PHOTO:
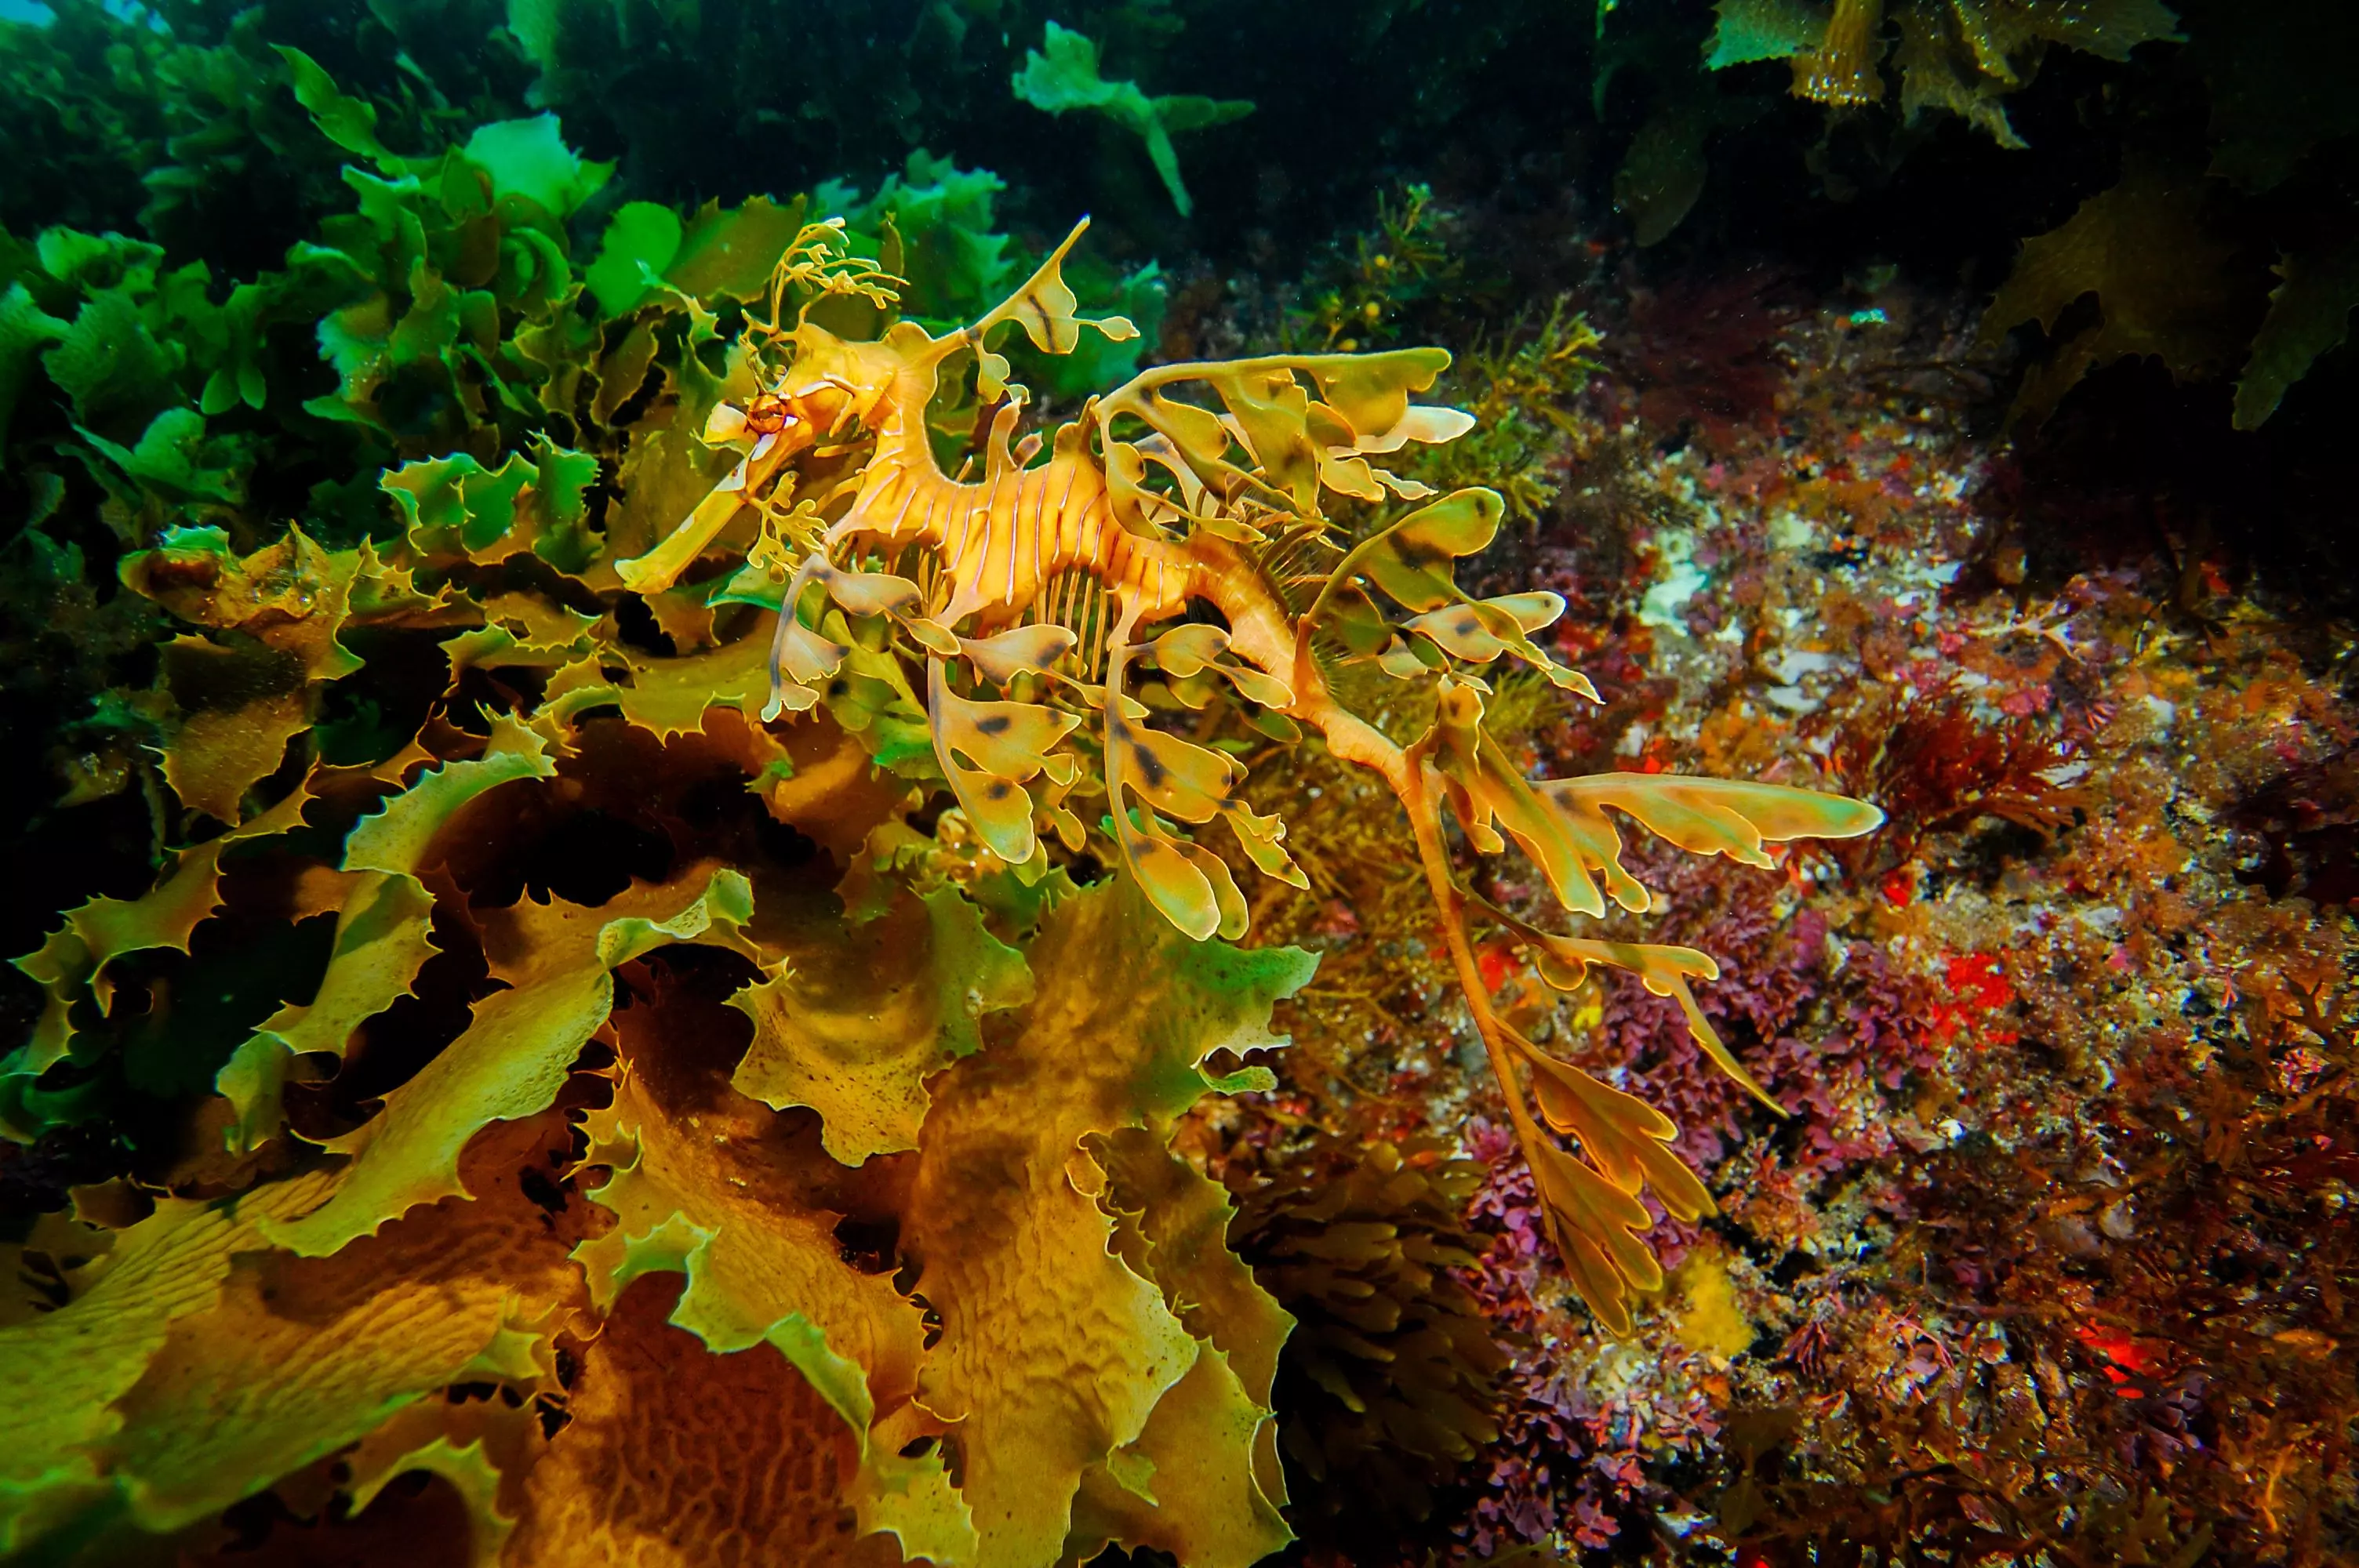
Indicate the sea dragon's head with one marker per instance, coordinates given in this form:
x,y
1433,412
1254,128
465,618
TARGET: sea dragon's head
x,y
833,387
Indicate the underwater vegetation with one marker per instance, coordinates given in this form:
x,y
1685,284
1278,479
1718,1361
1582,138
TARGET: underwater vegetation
x,y
733,843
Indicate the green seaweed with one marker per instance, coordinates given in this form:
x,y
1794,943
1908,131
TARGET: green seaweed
x,y
1062,76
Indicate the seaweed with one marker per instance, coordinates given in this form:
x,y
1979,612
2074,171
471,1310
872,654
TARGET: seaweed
x,y
1389,1377
1062,76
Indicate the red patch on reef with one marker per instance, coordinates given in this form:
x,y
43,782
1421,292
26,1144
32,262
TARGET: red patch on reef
x,y
1978,985
2130,1368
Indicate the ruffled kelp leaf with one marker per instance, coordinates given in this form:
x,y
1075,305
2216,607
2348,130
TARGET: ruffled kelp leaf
x,y
110,363
642,238
854,1027
292,595
69,1367
996,1174
237,707
2309,315
70,967
711,1184
1839,68
1177,1233
953,263
675,1455
1963,57
1173,1227
399,837
24,331
741,1215
529,158
666,696
1198,1492
384,936
729,253
173,458
1062,75
1745,31
471,1472
241,695
2164,281
454,509
558,960
350,122
1938,71
301,1355
529,631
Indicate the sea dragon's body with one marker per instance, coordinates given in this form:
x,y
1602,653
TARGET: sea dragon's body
x,y
1032,594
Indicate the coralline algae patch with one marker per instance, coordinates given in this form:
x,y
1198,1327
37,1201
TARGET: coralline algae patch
x,y
2037,1259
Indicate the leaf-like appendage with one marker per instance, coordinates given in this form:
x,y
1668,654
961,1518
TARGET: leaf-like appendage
x,y
1707,815
1020,650
1295,444
1044,306
859,1021
1411,560
1007,744
1596,1226
1623,1136
1665,971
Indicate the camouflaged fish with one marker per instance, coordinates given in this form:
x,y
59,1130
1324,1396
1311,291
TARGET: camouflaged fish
x,y
1186,533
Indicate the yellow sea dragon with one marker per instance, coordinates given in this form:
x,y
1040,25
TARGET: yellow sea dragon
x,y
1163,531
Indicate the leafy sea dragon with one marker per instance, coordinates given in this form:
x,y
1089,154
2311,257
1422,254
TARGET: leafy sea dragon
x,y
1156,531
